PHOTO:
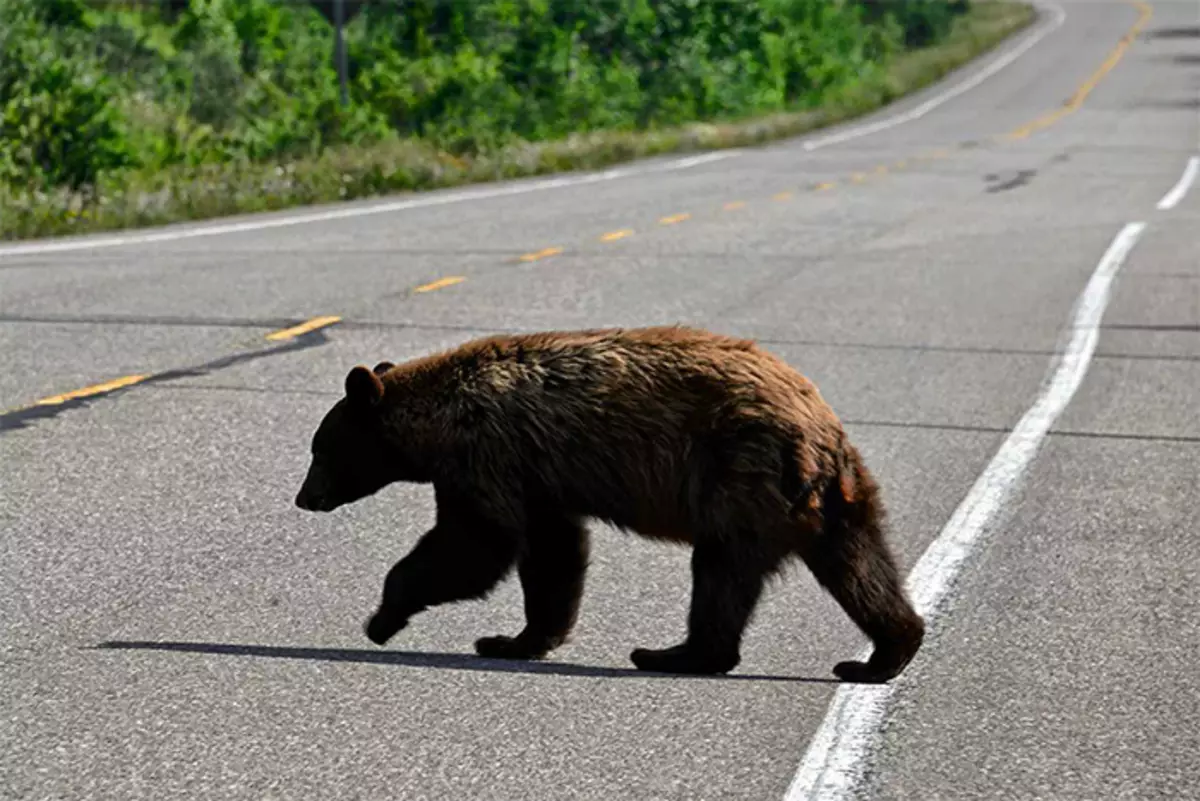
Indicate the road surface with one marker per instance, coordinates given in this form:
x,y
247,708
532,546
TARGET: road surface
x,y
174,627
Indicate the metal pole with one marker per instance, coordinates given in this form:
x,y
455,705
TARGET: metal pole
x,y
339,23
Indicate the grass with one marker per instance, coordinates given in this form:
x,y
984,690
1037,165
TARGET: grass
x,y
360,172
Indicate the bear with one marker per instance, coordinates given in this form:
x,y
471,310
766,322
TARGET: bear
x,y
674,433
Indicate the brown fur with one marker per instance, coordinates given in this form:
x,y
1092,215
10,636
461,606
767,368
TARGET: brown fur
x,y
675,433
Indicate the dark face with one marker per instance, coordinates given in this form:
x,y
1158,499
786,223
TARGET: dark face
x,y
350,457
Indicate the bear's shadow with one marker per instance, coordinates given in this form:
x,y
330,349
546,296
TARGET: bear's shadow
x,y
443,661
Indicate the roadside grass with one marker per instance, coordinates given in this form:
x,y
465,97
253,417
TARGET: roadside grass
x,y
199,193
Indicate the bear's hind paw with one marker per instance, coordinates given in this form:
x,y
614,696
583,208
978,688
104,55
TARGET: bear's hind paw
x,y
876,671
684,660
502,647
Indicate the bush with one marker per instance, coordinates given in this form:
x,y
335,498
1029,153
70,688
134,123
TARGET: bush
x,y
213,180
58,122
125,90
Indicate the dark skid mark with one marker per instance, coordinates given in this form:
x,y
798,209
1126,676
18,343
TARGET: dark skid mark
x,y
148,320
1001,430
83,258
442,661
21,418
1191,328
1022,178
1173,104
1180,32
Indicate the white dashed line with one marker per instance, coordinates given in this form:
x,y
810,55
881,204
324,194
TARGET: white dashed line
x,y
837,755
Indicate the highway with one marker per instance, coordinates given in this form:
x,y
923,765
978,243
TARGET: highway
x,y
997,289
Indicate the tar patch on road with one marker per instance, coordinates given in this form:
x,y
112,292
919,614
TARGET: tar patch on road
x,y
1001,183
21,418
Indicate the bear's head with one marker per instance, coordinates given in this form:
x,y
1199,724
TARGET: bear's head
x,y
351,457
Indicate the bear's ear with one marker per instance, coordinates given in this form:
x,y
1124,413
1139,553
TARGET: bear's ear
x,y
382,368
363,387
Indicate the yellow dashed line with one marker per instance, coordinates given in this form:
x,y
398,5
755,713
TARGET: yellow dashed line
x,y
541,254
736,204
858,177
825,186
95,389
782,196
881,169
303,328
901,164
1076,100
449,280
613,236
674,218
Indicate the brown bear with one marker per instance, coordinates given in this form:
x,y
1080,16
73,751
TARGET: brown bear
x,y
675,433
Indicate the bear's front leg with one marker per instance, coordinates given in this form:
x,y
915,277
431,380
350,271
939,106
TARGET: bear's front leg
x,y
461,558
552,575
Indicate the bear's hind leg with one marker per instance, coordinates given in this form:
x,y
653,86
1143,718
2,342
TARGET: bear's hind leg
x,y
854,564
727,580
552,576
460,558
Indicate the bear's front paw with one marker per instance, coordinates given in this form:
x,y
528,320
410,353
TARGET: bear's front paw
x,y
683,659
501,647
380,628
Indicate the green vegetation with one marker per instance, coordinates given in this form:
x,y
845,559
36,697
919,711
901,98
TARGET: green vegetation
x,y
119,113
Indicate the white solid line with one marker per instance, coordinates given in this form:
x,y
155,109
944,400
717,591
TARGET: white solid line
x,y
441,199
1180,190
1000,63
834,762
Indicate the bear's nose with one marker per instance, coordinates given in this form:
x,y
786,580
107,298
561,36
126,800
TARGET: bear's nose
x,y
303,501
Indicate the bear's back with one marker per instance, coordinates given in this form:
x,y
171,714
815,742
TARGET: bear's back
x,y
614,422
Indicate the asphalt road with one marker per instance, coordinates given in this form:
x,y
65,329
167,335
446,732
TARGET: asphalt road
x,y
173,627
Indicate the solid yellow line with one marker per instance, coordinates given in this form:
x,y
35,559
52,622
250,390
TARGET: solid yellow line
x,y
441,282
736,204
304,328
782,196
1076,100
94,389
825,186
674,218
613,236
541,254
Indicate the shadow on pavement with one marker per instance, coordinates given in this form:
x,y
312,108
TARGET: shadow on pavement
x,y
429,660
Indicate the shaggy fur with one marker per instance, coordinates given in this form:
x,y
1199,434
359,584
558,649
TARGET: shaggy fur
x,y
674,433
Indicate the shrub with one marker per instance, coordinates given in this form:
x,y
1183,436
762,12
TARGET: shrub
x,y
58,122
